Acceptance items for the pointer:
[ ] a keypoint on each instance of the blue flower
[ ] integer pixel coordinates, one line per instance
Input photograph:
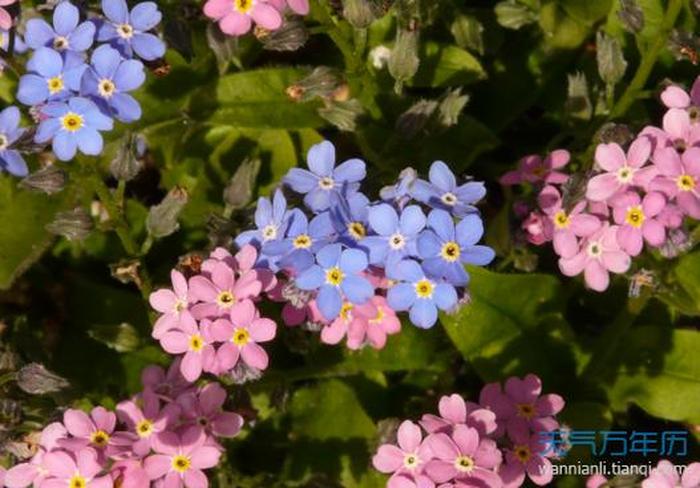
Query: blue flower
(396, 237)
(19, 47)
(128, 31)
(442, 191)
(400, 192)
(296, 250)
(271, 220)
(445, 248)
(350, 218)
(108, 81)
(72, 126)
(66, 35)
(52, 78)
(10, 160)
(419, 294)
(323, 184)
(337, 276)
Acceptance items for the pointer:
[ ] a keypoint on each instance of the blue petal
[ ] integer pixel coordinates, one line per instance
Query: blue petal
(72, 77)
(352, 261)
(130, 76)
(423, 313)
(471, 192)
(106, 60)
(429, 245)
(89, 83)
(279, 203)
(89, 141)
(441, 176)
(247, 237)
(116, 11)
(478, 255)
(82, 37)
(455, 274)
(412, 220)
(14, 163)
(424, 191)
(329, 256)
(148, 46)
(329, 302)
(47, 62)
(277, 247)
(401, 296)
(321, 158)
(301, 180)
(409, 270)
(65, 18)
(357, 289)
(318, 200)
(378, 248)
(298, 223)
(297, 260)
(435, 267)
(9, 120)
(383, 219)
(469, 230)
(64, 145)
(352, 170)
(359, 206)
(39, 33)
(263, 214)
(106, 31)
(445, 296)
(310, 279)
(145, 16)
(442, 223)
(126, 107)
(321, 227)
(47, 130)
(32, 90)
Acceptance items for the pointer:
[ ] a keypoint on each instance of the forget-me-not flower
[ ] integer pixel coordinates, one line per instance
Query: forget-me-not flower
(51, 77)
(10, 159)
(128, 31)
(303, 238)
(67, 35)
(397, 235)
(271, 220)
(443, 192)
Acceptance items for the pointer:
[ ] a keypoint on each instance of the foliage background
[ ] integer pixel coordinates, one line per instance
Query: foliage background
(319, 412)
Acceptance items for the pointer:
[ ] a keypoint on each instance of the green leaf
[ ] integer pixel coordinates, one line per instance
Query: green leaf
(120, 337)
(23, 237)
(587, 12)
(445, 65)
(659, 370)
(687, 272)
(561, 30)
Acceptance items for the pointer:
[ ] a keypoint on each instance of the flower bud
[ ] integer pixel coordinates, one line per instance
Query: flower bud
(358, 12)
(468, 33)
(290, 37)
(513, 15)
(631, 16)
(416, 118)
(611, 62)
(220, 230)
(379, 56)
(677, 243)
(684, 46)
(10, 411)
(618, 133)
(404, 61)
(9, 360)
(239, 190)
(128, 161)
(322, 82)
(74, 224)
(49, 180)
(162, 218)
(224, 47)
(578, 103)
(343, 115)
(642, 278)
(451, 107)
(297, 297)
(35, 379)
(126, 271)
(242, 374)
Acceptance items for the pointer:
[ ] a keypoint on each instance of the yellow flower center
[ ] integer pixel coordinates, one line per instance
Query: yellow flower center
(450, 251)
(334, 276)
(523, 453)
(55, 84)
(635, 216)
(526, 410)
(226, 299)
(561, 220)
(464, 464)
(77, 481)
(125, 31)
(106, 88)
(72, 122)
(424, 289)
(302, 241)
(379, 317)
(357, 230)
(241, 337)
(410, 461)
(196, 343)
(181, 463)
(685, 183)
(346, 310)
(144, 428)
(99, 438)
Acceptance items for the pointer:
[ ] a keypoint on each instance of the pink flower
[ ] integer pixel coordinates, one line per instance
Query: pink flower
(5, 20)
(596, 256)
(300, 7)
(411, 481)
(621, 171)
(525, 458)
(241, 336)
(196, 346)
(171, 303)
(665, 475)
(34, 472)
(455, 411)
(676, 97)
(94, 430)
(373, 322)
(534, 226)
(145, 418)
(565, 227)
(678, 131)
(180, 460)
(464, 456)
(637, 221)
(679, 177)
(596, 481)
(223, 290)
(235, 17)
(205, 409)
(243, 261)
(129, 473)
(79, 468)
(534, 169)
(408, 458)
(167, 385)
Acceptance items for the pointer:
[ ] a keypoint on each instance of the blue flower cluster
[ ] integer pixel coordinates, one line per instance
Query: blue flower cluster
(414, 242)
(80, 75)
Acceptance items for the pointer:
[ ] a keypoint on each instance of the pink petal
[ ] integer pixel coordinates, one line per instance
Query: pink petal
(487, 454)
(248, 285)
(242, 313)
(191, 366)
(104, 420)
(216, 9)
(639, 152)
(227, 356)
(584, 225)
(166, 443)
(179, 283)
(60, 464)
(163, 300)
(300, 7)
(689, 203)
(254, 356)
(222, 276)
(266, 16)
(156, 466)
(453, 408)
(691, 475)
(227, 424)
(262, 330)
(194, 478)
(388, 459)
(558, 158)
(676, 123)
(192, 439)
(21, 475)
(630, 239)
(596, 276)
(550, 404)
(5, 19)
(202, 289)
(164, 323)
(602, 186)
(235, 24)
(211, 398)
(511, 178)
(78, 423)
(675, 97)
(409, 436)
(466, 438)
(574, 265)
(334, 333)
(205, 457)
(654, 232)
(433, 423)
(691, 161)
(539, 470)
(87, 463)
(442, 446)
(523, 391)
(667, 161)
(175, 342)
(441, 471)
(695, 91)
(482, 420)
(653, 204)
(610, 157)
(565, 243)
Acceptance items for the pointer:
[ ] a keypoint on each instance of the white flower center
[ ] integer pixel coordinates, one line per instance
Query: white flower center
(60, 43)
(269, 232)
(125, 31)
(449, 199)
(3, 142)
(594, 250)
(397, 241)
(625, 174)
(326, 183)
(106, 88)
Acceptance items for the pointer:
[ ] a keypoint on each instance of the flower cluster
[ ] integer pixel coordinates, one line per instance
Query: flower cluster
(166, 434)
(350, 264)
(236, 17)
(493, 443)
(80, 76)
(210, 320)
(636, 197)
(664, 475)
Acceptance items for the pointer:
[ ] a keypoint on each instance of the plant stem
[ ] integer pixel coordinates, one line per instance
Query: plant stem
(648, 61)
(115, 215)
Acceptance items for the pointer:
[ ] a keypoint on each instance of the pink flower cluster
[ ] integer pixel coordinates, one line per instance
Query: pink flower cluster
(635, 197)
(236, 17)
(166, 435)
(210, 320)
(493, 443)
(664, 475)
